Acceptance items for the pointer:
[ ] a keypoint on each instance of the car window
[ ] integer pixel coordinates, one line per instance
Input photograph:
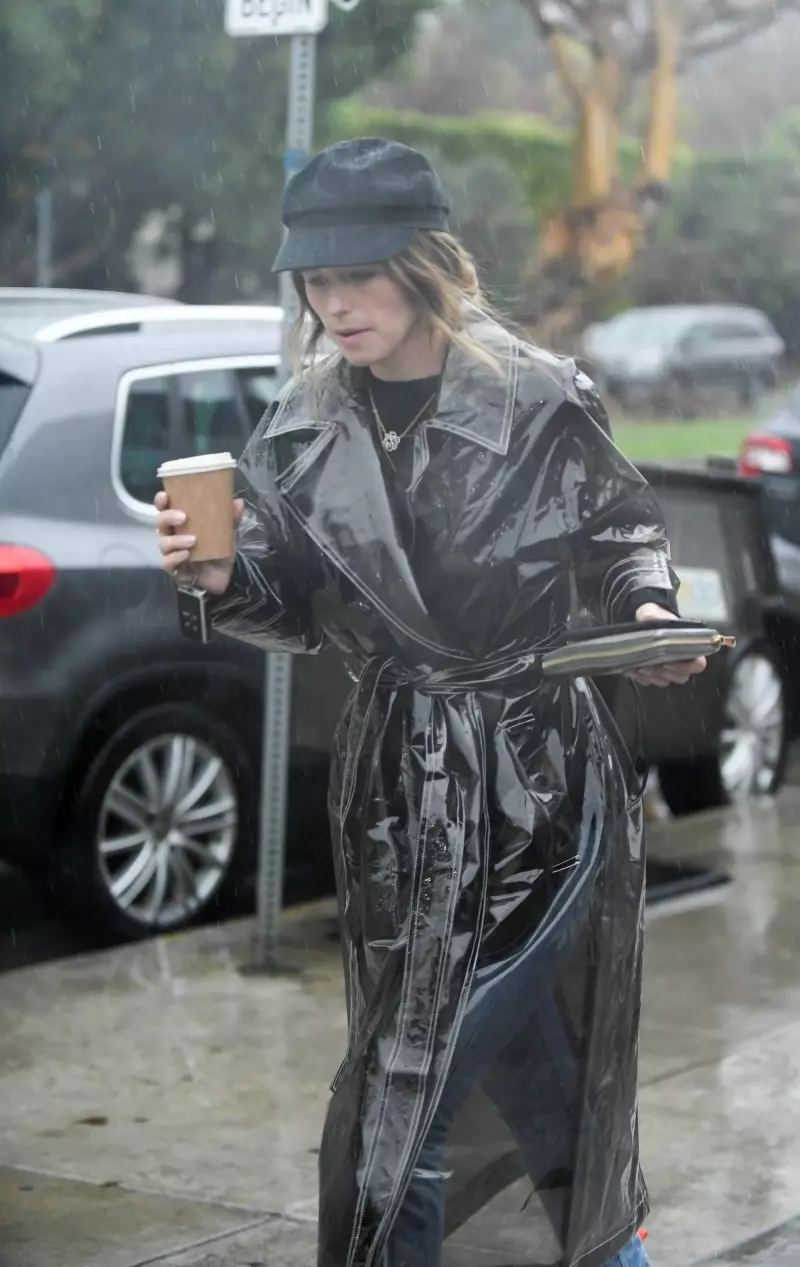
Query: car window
(146, 437)
(642, 327)
(13, 395)
(211, 417)
(183, 415)
(259, 388)
(696, 529)
(723, 330)
(696, 338)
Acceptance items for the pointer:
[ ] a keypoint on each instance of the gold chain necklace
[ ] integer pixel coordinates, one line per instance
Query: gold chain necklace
(390, 439)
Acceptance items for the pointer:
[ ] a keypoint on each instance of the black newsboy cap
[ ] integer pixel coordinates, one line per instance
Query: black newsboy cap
(359, 202)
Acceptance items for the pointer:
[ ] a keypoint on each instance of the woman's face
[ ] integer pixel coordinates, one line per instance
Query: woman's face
(363, 311)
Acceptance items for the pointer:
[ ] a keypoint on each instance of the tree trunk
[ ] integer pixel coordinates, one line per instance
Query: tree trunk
(587, 249)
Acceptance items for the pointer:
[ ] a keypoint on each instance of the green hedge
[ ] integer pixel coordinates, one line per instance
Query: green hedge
(727, 234)
(539, 154)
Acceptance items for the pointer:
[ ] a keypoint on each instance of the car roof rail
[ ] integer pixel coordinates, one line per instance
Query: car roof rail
(119, 320)
(36, 293)
(18, 359)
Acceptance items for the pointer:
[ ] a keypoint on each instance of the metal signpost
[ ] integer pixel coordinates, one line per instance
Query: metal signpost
(44, 237)
(303, 20)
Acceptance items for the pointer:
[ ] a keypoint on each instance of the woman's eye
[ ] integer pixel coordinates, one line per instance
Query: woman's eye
(316, 282)
(361, 276)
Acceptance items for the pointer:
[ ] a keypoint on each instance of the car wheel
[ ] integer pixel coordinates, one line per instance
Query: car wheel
(753, 747)
(159, 832)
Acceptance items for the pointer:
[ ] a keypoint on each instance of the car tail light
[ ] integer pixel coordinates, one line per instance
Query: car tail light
(766, 455)
(25, 578)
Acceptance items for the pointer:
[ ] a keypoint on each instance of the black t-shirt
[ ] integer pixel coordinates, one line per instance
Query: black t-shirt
(398, 403)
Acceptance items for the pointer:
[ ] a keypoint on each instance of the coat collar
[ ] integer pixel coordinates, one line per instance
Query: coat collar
(328, 445)
(476, 402)
(478, 397)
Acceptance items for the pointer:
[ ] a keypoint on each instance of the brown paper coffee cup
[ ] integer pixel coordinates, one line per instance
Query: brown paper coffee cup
(202, 487)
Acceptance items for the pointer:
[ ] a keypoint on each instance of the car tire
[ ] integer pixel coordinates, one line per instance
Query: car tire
(160, 833)
(751, 760)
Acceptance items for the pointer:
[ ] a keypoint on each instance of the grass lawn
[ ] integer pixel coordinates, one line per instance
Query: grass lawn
(665, 440)
(656, 440)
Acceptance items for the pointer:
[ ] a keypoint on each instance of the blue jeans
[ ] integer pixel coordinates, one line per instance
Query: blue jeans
(633, 1255)
(542, 1134)
(418, 1233)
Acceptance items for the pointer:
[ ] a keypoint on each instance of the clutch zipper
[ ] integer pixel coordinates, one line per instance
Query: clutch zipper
(719, 640)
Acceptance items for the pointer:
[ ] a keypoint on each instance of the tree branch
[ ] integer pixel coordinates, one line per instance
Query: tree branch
(710, 26)
(571, 79)
(720, 24)
(657, 154)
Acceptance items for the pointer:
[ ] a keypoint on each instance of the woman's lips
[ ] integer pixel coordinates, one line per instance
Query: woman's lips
(350, 336)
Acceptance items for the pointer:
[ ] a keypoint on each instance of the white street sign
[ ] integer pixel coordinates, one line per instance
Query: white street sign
(275, 17)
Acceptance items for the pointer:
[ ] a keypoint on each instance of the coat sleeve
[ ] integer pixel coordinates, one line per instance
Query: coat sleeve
(268, 602)
(618, 544)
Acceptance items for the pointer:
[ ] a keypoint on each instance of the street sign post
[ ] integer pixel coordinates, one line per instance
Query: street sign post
(302, 20)
(276, 730)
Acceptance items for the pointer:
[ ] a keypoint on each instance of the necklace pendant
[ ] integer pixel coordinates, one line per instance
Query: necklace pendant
(391, 442)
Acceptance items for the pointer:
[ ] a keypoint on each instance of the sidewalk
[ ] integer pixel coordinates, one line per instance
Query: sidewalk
(158, 1106)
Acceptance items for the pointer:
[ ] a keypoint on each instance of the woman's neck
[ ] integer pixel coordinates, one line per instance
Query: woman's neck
(421, 355)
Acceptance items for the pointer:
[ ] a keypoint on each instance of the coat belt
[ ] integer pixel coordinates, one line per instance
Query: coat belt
(518, 672)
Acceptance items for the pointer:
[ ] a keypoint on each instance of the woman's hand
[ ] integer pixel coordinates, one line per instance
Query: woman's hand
(215, 576)
(665, 674)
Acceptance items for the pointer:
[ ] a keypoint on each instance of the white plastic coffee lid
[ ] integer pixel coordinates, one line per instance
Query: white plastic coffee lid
(200, 465)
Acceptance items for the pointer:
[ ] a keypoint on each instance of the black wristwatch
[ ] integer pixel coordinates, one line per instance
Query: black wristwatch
(193, 613)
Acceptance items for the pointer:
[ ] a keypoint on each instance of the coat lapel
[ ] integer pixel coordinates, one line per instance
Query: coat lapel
(331, 479)
(329, 472)
(477, 398)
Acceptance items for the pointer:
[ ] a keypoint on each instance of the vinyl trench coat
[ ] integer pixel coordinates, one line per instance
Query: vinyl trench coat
(486, 823)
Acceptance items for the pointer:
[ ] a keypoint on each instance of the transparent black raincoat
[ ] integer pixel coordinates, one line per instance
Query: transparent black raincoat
(487, 824)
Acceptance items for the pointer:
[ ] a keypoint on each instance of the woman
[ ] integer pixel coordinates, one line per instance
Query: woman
(432, 500)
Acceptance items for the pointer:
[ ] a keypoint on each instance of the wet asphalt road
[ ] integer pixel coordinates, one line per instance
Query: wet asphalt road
(29, 931)
(32, 931)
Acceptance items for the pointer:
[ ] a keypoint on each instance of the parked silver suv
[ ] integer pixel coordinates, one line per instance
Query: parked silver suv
(128, 756)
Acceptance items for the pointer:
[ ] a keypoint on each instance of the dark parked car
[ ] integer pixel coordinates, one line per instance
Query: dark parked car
(129, 756)
(677, 354)
(723, 738)
(771, 455)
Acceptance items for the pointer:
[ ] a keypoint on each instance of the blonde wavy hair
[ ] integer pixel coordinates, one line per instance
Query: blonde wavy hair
(440, 279)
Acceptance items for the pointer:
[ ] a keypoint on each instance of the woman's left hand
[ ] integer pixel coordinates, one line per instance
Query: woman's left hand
(665, 674)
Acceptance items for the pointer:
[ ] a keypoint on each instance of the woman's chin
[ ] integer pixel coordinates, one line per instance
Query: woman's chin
(360, 357)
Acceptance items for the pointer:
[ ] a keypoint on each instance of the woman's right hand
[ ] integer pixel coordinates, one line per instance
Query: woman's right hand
(215, 576)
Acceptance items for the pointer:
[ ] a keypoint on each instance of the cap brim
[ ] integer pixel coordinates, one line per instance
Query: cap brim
(342, 246)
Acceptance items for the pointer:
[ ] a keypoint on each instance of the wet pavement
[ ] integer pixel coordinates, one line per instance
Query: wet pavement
(159, 1105)
(777, 1247)
(30, 930)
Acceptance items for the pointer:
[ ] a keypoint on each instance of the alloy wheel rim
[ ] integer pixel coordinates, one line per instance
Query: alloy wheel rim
(167, 830)
(753, 733)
